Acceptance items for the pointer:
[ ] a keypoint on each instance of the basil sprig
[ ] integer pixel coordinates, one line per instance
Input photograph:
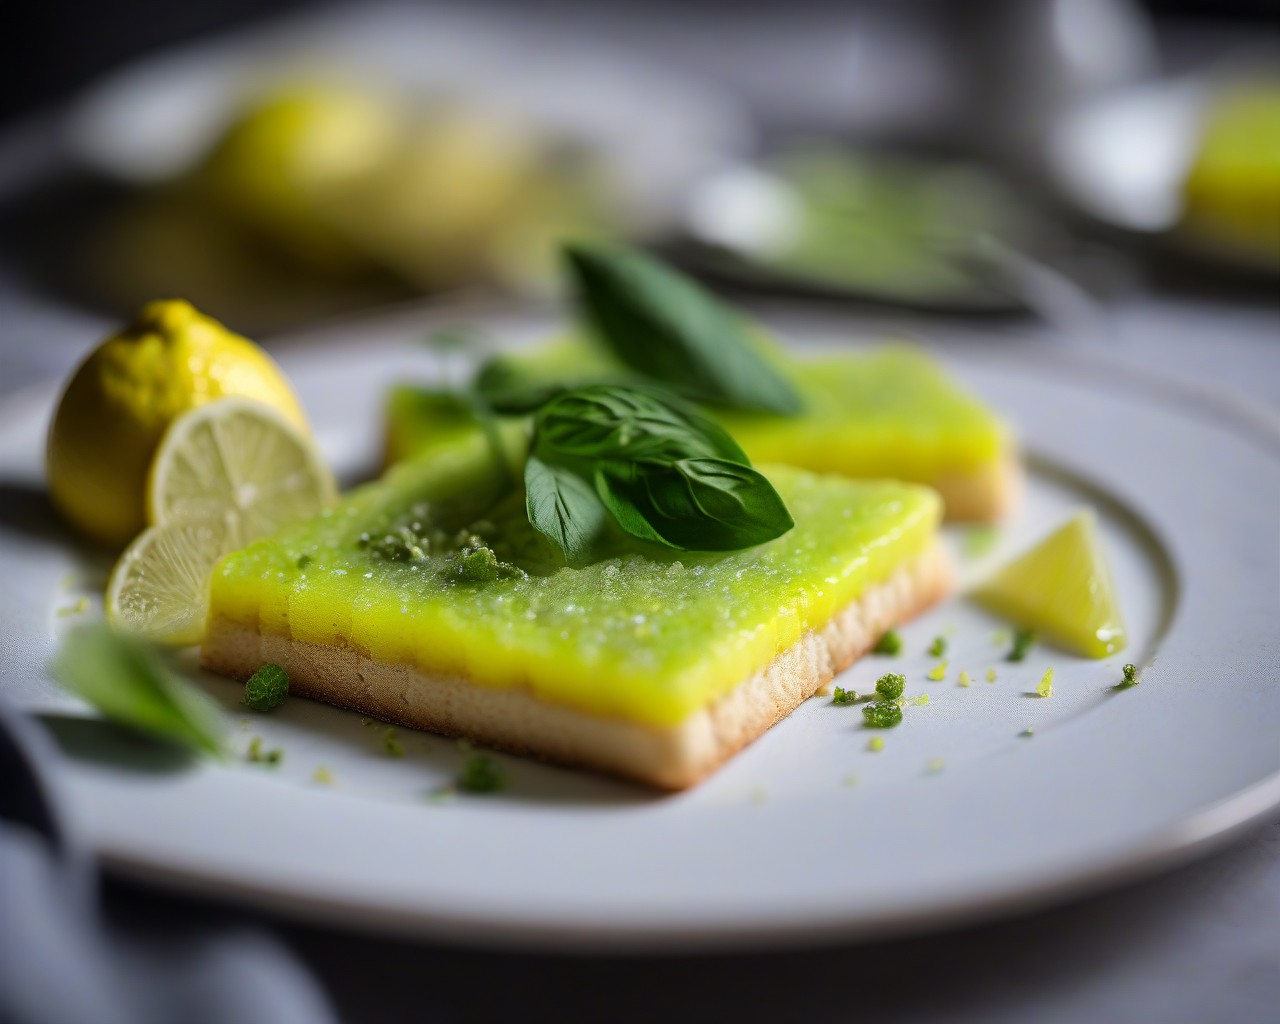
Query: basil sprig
(663, 325)
(661, 471)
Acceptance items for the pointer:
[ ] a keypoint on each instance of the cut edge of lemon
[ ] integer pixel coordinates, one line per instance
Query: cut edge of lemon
(239, 460)
(159, 587)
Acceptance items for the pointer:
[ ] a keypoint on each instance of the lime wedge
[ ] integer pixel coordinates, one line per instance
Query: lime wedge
(160, 586)
(1061, 588)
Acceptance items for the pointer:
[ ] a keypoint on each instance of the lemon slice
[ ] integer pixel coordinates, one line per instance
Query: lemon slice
(160, 585)
(238, 462)
(225, 473)
(1062, 588)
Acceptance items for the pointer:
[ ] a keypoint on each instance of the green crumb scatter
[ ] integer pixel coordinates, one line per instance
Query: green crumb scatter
(978, 540)
(1130, 675)
(266, 689)
(938, 672)
(876, 744)
(843, 696)
(1027, 733)
(882, 715)
(919, 701)
(964, 680)
(74, 609)
(935, 765)
(1023, 641)
(391, 743)
(1045, 689)
(938, 648)
(257, 754)
(890, 685)
(991, 675)
(481, 774)
(481, 565)
(890, 643)
(303, 561)
(322, 775)
(851, 780)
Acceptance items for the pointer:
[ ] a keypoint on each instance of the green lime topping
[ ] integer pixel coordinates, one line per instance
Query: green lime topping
(964, 679)
(843, 696)
(938, 672)
(882, 714)
(938, 648)
(322, 775)
(1130, 675)
(991, 675)
(1023, 641)
(266, 689)
(1027, 733)
(258, 755)
(480, 773)
(890, 643)
(935, 765)
(1045, 688)
(890, 685)
(875, 744)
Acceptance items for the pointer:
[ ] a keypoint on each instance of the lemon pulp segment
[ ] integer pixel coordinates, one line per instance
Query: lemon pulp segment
(649, 636)
(1063, 589)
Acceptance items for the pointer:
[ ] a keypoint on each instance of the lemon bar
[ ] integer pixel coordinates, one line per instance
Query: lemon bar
(428, 600)
(891, 413)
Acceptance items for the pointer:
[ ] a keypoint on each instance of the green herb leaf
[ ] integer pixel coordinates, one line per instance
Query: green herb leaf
(700, 504)
(506, 387)
(663, 325)
(266, 689)
(632, 423)
(481, 774)
(563, 507)
(125, 679)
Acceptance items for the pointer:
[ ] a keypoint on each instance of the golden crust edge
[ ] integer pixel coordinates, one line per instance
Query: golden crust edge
(515, 720)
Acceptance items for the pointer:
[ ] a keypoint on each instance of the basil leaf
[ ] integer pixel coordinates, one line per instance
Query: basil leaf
(563, 508)
(507, 388)
(125, 679)
(698, 504)
(615, 422)
(662, 324)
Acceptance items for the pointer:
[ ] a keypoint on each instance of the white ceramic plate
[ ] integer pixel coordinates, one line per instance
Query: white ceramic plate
(807, 834)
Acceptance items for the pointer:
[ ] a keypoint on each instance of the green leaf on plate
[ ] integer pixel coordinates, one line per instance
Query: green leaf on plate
(563, 508)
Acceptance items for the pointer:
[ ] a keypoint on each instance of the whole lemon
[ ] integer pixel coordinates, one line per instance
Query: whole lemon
(124, 396)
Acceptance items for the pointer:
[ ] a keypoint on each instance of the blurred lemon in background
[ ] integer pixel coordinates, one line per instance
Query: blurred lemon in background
(124, 396)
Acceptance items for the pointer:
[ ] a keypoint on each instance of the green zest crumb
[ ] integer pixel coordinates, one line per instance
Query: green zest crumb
(851, 780)
(1023, 641)
(481, 774)
(1027, 733)
(391, 744)
(303, 561)
(481, 565)
(938, 648)
(890, 643)
(74, 609)
(266, 689)
(890, 685)
(322, 775)
(875, 744)
(991, 675)
(938, 672)
(1045, 689)
(882, 715)
(843, 696)
(256, 755)
(1130, 676)
(978, 540)
(964, 679)
(935, 765)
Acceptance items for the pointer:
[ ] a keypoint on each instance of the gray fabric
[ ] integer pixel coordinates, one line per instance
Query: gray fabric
(62, 961)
